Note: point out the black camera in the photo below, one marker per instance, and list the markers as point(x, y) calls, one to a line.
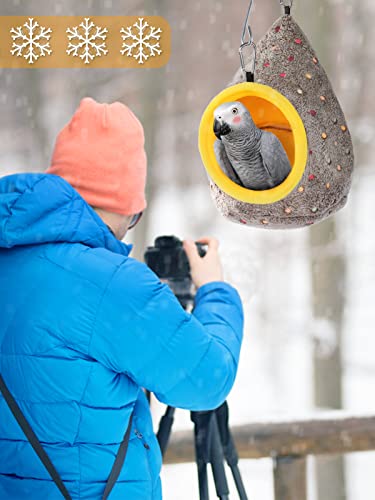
point(168, 260)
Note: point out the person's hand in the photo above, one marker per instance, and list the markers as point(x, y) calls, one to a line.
point(204, 269)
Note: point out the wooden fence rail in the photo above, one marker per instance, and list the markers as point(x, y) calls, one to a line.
point(288, 443)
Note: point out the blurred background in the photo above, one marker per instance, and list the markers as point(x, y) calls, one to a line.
point(308, 294)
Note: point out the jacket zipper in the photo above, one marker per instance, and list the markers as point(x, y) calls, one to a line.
point(140, 436)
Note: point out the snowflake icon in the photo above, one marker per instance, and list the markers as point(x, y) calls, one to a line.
point(89, 41)
point(142, 44)
point(31, 41)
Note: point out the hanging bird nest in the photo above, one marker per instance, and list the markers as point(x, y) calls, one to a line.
point(292, 98)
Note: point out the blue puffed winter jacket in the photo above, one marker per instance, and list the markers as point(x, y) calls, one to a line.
point(83, 327)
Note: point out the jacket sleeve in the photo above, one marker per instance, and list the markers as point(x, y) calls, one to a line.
point(188, 360)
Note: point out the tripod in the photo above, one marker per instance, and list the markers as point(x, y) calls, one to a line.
point(213, 443)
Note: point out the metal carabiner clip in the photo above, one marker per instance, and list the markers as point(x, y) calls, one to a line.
point(248, 43)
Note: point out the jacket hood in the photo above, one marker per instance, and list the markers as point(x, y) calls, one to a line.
point(44, 208)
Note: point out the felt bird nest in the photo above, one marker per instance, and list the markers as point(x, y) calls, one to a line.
point(292, 98)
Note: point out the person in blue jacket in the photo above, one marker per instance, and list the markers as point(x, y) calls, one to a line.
point(84, 328)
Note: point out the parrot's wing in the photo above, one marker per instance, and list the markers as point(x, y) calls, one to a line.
point(274, 157)
point(224, 162)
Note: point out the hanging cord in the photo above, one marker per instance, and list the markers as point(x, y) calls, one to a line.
point(287, 4)
point(247, 40)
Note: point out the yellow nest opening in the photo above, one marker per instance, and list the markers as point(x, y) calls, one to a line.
point(271, 111)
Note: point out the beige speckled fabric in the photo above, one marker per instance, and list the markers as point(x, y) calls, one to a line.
point(324, 187)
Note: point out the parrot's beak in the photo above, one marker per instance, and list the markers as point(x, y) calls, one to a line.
point(217, 129)
point(221, 128)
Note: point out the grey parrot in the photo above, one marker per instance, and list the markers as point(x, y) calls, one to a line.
point(251, 157)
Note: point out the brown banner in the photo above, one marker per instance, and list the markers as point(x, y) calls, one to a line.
point(84, 42)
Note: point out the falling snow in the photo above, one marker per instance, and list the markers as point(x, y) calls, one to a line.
point(142, 44)
point(89, 41)
point(272, 270)
point(31, 41)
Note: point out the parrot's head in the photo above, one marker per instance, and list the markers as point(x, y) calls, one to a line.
point(231, 118)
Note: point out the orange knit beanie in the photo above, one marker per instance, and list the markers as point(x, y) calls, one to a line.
point(101, 154)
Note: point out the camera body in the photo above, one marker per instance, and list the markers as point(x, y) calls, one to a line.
point(168, 260)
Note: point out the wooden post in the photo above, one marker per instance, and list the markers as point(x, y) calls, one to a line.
point(328, 280)
point(289, 475)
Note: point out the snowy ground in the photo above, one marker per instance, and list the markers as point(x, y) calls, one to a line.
point(271, 270)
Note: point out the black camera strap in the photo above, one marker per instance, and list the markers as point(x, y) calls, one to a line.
point(44, 458)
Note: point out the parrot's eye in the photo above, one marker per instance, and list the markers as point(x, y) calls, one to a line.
point(234, 111)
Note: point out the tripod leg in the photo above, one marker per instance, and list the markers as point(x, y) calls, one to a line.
point(202, 427)
point(217, 461)
point(165, 428)
point(238, 482)
point(229, 448)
